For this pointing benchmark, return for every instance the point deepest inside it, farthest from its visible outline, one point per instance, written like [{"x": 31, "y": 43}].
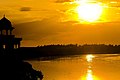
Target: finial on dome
[{"x": 4, "y": 15}]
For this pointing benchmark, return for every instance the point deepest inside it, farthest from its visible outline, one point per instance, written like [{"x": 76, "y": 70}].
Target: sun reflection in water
[
  {"x": 89, "y": 75},
  {"x": 89, "y": 57}
]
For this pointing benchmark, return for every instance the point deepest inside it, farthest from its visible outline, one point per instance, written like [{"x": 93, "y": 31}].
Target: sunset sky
[{"x": 42, "y": 22}]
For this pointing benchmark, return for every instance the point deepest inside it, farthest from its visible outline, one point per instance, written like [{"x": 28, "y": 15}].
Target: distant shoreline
[{"x": 64, "y": 50}]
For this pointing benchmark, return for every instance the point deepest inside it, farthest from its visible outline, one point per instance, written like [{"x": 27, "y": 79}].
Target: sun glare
[
  {"x": 89, "y": 58},
  {"x": 89, "y": 75},
  {"x": 89, "y": 12}
]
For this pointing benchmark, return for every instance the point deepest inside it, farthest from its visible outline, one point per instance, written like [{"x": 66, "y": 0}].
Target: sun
[{"x": 89, "y": 12}]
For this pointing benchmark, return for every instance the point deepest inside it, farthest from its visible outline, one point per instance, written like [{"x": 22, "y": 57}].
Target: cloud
[
  {"x": 39, "y": 29},
  {"x": 62, "y": 1},
  {"x": 51, "y": 31},
  {"x": 25, "y": 9}
]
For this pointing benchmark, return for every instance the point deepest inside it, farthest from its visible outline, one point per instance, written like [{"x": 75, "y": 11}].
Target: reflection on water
[
  {"x": 89, "y": 57},
  {"x": 80, "y": 67},
  {"x": 89, "y": 75},
  {"x": 89, "y": 71}
]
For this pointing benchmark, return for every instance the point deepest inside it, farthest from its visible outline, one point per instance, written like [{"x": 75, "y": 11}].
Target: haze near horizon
[{"x": 42, "y": 22}]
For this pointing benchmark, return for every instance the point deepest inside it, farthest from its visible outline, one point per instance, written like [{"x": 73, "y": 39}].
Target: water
[{"x": 80, "y": 67}]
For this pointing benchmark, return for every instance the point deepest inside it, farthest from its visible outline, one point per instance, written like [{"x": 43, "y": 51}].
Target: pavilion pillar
[
  {"x": 18, "y": 45},
  {"x": 10, "y": 32},
  {"x": 6, "y": 32},
  {"x": 15, "y": 46}
]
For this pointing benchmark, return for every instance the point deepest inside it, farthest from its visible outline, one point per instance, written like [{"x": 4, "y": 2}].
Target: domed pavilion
[{"x": 7, "y": 40}]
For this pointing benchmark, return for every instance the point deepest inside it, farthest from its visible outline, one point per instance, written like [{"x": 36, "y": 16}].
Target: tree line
[{"x": 70, "y": 49}]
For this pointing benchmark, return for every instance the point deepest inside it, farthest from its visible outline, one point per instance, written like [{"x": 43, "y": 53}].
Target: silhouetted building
[{"x": 7, "y": 40}]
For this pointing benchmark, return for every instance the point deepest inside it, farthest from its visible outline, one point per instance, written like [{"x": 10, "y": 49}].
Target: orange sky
[{"x": 41, "y": 22}]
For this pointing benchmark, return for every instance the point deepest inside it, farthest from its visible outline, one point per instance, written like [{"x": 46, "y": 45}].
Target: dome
[{"x": 5, "y": 24}]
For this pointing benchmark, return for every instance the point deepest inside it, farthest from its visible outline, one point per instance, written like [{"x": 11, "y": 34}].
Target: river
[{"x": 80, "y": 67}]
